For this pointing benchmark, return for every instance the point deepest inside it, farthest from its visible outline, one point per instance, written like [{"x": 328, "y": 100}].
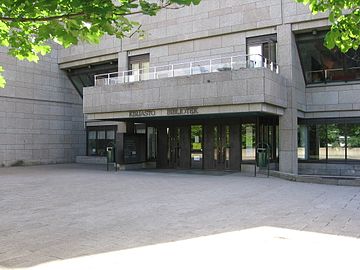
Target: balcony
[
  {"x": 187, "y": 69},
  {"x": 238, "y": 84}
]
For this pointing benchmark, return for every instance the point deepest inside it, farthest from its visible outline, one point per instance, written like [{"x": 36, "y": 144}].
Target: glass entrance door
[
  {"x": 173, "y": 147},
  {"x": 221, "y": 147},
  {"x": 196, "y": 147}
]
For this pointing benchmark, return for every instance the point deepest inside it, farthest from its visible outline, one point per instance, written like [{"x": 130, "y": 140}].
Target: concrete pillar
[
  {"x": 288, "y": 59},
  {"x": 123, "y": 64}
]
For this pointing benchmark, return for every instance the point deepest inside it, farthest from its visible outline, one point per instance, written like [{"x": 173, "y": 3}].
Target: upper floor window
[
  {"x": 139, "y": 66},
  {"x": 261, "y": 50},
  {"x": 321, "y": 65}
]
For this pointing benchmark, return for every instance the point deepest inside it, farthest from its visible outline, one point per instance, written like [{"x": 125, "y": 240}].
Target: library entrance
[{"x": 217, "y": 144}]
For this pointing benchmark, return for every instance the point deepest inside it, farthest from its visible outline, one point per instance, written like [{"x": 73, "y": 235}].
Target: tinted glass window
[
  {"x": 322, "y": 65},
  {"x": 332, "y": 141}
]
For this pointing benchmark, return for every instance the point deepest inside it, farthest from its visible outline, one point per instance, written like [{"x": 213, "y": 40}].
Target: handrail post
[
  {"x": 123, "y": 73},
  {"x": 95, "y": 80},
  {"x": 108, "y": 79},
  {"x": 172, "y": 71},
  {"x": 231, "y": 63},
  {"x": 190, "y": 68},
  {"x": 272, "y": 66}
]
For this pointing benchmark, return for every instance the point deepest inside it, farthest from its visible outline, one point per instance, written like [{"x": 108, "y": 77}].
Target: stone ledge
[
  {"x": 90, "y": 160},
  {"x": 318, "y": 179}
]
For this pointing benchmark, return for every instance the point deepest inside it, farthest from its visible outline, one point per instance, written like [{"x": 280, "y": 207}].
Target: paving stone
[{"x": 59, "y": 212}]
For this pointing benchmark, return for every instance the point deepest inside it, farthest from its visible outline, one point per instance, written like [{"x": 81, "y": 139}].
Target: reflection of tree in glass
[
  {"x": 196, "y": 137},
  {"x": 336, "y": 135},
  {"x": 353, "y": 136}
]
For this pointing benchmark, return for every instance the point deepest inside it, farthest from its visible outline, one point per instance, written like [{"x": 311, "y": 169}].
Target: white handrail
[{"x": 187, "y": 68}]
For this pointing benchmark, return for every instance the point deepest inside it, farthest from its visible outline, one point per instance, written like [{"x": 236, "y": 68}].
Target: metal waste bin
[
  {"x": 110, "y": 157},
  {"x": 110, "y": 154},
  {"x": 262, "y": 157}
]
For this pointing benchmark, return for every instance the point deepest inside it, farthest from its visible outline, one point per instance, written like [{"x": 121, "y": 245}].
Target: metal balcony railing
[
  {"x": 187, "y": 69},
  {"x": 333, "y": 75}
]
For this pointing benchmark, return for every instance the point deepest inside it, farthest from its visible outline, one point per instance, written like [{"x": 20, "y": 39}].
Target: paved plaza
[{"x": 81, "y": 216}]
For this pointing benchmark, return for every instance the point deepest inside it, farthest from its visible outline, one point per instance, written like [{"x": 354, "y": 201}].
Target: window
[
  {"x": 329, "y": 141},
  {"x": 322, "y": 65},
  {"x": 336, "y": 141},
  {"x": 98, "y": 139},
  {"x": 261, "y": 48},
  {"x": 139, "y": 67},
  {"x": 353, "y": 141},
  {"x": 248, "y": 141}
]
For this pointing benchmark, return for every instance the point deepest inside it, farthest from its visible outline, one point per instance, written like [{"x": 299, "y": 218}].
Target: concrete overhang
[{"x": 227, "y": 92}]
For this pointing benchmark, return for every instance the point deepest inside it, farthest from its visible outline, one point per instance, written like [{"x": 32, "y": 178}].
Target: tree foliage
[
  {"x": 27, "y": 26},
  {"x": 344, "y": 16}
]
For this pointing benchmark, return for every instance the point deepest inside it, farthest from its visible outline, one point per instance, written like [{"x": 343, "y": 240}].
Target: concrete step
[{"x": 90, "y": 160}]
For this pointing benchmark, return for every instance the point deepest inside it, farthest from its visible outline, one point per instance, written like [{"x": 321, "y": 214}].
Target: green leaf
[
  {"x": 31, "y": 24},
  {"x": 2, "y": 79}
]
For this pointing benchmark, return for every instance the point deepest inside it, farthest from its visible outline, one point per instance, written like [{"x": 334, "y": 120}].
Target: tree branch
[
  {"x": 43, "y": 19},
  {"x": 75, "y": 15}
]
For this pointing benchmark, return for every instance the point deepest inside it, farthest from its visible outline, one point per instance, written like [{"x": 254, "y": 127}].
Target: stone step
[{"x": 90, "y": 160}]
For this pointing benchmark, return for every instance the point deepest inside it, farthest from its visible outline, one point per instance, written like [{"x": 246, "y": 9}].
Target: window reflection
[
  {"x": 323, "y": 65},
  {"x": 353, "y": 141},
  {"x": 336, "y": 141},
  {"x": 312, "y": 142},
  {"x": 329, "y": 141},
  {"x": 248, "y": 141}
]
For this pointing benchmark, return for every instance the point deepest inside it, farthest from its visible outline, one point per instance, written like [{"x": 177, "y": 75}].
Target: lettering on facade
[
  {"x": 173, "y": 111},
  {"x": 142, "y": 113},
  {"x": 182, "y": 111}
]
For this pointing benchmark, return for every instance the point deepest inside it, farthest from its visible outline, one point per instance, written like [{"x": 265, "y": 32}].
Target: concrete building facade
[
  {"x": 209, "y": 84},
  {"x": 41, "y": 119}
]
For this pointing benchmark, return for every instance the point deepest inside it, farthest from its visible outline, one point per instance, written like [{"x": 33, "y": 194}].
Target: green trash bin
[
  {"x": 262, "y": 157},
  {"x": 110, "y": 154}
]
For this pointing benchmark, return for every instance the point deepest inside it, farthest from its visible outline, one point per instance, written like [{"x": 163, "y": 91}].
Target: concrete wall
[
  {"x": 245, "y": 86},
  {"x": 339, "y": 169},
  {"x": 220, "y": 28},
  {"x": 212, "y": 18},
  {"x": 333, "y": 100},
  {"x": 41, "y": 118}
]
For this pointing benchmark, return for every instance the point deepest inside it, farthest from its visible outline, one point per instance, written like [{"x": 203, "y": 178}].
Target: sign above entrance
[
  {"x": 142, "y": 113},
  {"x": 181, "y": 111},
  {"x": 172, "y": 111}
]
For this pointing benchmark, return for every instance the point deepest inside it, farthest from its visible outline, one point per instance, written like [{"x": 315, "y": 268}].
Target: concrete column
[
  {"x": 123, "y": 61},
  {"x": 288, "y": 60}
]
